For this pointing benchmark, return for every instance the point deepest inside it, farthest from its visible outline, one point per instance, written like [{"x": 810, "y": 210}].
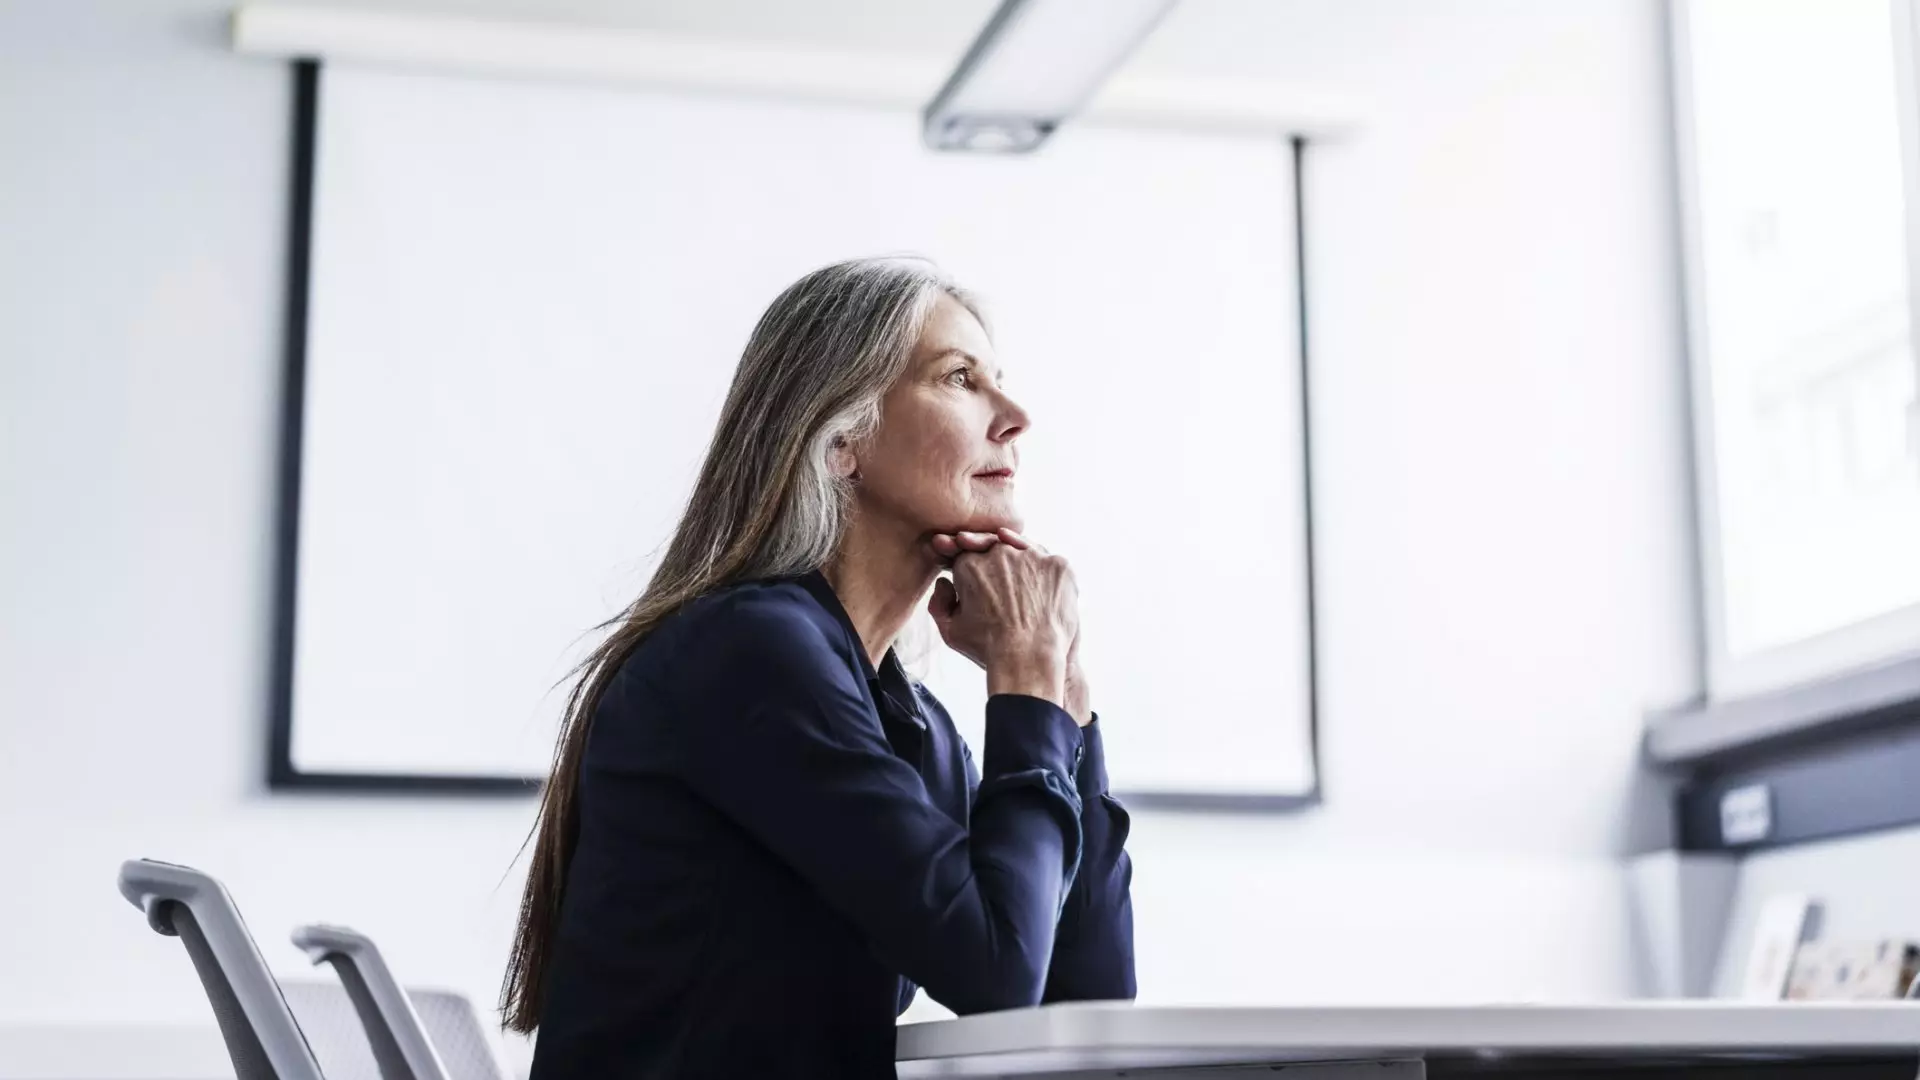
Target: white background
[{"x": 527, "y": 304}]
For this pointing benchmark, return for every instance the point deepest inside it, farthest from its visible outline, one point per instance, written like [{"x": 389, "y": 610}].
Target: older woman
[{"x": 760, "y": 833}]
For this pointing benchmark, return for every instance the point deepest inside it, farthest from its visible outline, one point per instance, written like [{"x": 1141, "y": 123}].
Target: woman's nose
[{"x": 1010, "y": 421}]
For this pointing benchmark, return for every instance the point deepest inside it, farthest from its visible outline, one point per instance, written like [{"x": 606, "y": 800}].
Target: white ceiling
[
  {"x": 912, "y": 26},
  {"x": 1319, "y": 42}
]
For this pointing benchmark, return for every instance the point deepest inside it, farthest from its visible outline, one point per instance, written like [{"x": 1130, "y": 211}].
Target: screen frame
[{"x": 283, "y": 773}]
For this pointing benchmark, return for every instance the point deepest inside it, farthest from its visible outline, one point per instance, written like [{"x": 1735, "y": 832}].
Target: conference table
[{"x": 1643, "y": 1040}]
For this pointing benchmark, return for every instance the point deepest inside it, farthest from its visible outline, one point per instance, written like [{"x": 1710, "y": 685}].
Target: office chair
[
  {"x": 394, "y": 1029},
  {"x": 263, "y": 1039},
  {"x": 335, "y": 1031}
]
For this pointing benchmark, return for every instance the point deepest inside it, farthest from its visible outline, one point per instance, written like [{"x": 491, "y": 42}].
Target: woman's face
[{"x": 944, "y": 457}]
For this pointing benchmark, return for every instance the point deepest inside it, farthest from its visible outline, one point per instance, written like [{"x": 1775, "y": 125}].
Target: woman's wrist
[
  {"x": 1035, "y": 673},
  {"x": 1078, "y": 703}
]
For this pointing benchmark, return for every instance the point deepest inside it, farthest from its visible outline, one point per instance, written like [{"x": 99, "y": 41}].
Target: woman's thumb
[{"x": 942, "y": 603}]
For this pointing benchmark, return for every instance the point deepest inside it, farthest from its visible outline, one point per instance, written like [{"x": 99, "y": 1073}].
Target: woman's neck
[{"x": 880, "y": 574}]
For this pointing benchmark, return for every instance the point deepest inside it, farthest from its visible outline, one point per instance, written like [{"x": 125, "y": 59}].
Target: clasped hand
[{"x": 1013, "y": 608}]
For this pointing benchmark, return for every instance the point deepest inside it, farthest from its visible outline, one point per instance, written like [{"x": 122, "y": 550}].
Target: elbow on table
[{"x": 1016, "y": 983}]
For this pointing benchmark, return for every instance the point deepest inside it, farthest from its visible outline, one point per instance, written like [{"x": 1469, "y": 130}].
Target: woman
[{"x": 759, "y": 833}]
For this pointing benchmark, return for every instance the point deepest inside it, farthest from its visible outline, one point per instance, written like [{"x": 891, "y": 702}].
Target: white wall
[
  {"x": 1505, "y": 568},
  {"x": 142, "y": 201},
  {"x": 1504, "y": 574}
]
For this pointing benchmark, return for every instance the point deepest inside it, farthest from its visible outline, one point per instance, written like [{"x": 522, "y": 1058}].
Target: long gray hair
[{"x": 767, "y": 504}]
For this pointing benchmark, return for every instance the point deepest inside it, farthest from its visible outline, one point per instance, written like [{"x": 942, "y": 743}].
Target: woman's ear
[{"x": 841, "y": 460}]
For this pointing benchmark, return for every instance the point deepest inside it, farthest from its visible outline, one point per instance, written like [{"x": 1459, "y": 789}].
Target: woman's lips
[{"x": 995, "y": 475}]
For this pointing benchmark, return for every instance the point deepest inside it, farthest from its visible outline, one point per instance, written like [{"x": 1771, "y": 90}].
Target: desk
[{"x": 1643, "y": 1040}]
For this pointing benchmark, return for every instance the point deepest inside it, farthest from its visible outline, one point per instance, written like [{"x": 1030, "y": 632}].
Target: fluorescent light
[
  {"x": 1036, "y": 64},
  {"x": 465, "y": 45}
]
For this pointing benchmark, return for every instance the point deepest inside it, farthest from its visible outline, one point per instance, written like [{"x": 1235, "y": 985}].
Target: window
[{"x": 1797, "y": 154}]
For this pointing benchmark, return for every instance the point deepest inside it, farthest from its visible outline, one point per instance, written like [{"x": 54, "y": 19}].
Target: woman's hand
[
  {"x": 972, "y": 640},
  {"x": 1012, "y": 608}
]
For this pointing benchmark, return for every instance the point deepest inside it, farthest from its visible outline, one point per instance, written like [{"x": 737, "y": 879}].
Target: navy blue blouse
[{"x": 777, "y": 842}]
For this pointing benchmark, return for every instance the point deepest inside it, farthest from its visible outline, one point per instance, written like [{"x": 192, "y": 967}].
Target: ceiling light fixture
[{"x": 1035, "y": 65}]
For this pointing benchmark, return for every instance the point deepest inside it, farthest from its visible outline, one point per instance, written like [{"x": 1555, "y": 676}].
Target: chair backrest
[
  {"x": 334, "y": 1030},
  {"x": 458, "y": 1034},
  {"x": 332, "y": 1026},
  {"x": 393, "y": 1030},
  {"x": 263, "y": 1039}
]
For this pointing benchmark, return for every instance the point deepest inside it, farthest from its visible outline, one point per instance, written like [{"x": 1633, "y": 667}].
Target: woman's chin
[
  {"x": 983, "y": 516},
  {"x": 992, "y": 522},
  {"x": 976, "y": 523}
]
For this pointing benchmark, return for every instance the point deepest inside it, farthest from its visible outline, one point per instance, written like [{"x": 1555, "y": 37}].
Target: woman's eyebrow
[{"x": 971, "y": 359}]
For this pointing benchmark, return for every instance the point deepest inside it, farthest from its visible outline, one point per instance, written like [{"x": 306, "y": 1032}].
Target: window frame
[
  {"x": 1860, "y": 645},
  {"x": 1817, "y": 723}
]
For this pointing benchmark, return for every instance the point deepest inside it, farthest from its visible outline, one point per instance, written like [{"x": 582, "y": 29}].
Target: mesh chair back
[
  {"x": 463, "y": 1041},
  {"x": 333, "y": 1026}
]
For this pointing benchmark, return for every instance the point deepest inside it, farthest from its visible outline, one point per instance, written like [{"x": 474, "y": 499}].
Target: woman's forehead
[{"x": 953, "y": 329}]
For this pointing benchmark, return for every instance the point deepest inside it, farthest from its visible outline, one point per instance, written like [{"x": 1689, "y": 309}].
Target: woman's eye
[{"x": 960, "y": 377}]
